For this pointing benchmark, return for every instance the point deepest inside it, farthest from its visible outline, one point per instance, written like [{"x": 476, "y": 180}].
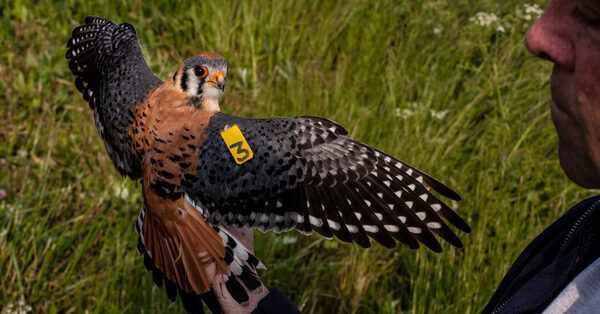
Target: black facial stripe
[
  {"x": 200, "y": 82},
  {"x": 175, "y": 75},
  {"x": 184, "y": 78}
]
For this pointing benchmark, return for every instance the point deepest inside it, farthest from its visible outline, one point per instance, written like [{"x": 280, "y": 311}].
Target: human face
[{"x": 568, "y": 35}]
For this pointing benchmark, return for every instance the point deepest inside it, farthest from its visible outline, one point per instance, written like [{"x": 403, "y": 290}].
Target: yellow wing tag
[{"x": 235, "y": 141}]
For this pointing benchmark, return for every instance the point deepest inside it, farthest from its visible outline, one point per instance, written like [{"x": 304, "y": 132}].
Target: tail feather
[{"x": 179, "y": 276}]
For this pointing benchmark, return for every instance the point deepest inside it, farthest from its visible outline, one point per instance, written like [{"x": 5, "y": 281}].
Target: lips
[
  {"x": 559, "y": 92},
  {"x": 557, "y": 104},
  {"x": 556, "y": 109}
]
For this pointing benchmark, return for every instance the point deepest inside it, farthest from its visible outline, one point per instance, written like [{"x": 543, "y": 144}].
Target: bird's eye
[{"x": 200, "y": 71}]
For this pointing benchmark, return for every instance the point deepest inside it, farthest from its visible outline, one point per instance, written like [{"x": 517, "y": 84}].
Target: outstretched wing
[
  {"x": 306, "y": 174},
  {"x": 114, "y": 78}
]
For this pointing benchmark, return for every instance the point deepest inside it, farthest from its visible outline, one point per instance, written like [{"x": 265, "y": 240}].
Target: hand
[{"x": 228, "y": 304}]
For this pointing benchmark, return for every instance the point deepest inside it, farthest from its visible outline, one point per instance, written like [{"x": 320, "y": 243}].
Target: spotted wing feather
[
  {"x": 112, "y": 75},
  {"x": 307, "y": 174}
]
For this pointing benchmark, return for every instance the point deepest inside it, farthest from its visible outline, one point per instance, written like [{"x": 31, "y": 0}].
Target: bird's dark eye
[{"x": 200, "y": 71}]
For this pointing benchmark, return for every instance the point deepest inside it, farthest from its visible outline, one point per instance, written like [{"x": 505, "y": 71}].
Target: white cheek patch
[{"x": 193, "y": 83}]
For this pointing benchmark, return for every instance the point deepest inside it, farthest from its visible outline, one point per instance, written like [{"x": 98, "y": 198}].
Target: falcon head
[{"x": 203, "y": 77}]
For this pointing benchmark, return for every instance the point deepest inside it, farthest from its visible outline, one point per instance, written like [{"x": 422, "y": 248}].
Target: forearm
[{"x": 275, "y": 302}]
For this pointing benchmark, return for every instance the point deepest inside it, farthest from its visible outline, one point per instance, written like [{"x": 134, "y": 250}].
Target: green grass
[{"x": 462, "y": 101}]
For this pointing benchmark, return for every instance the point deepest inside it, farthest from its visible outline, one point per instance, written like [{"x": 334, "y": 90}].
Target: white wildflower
[
  {"x": 438, "y": 114},
  {"x": 532, "y": 9},
  {"x": 438, "y": 30},
  {"x": 286, "y": 240},
  {"x": 15, "y": 207},
  {"x": 21, "y": 307},
  {"x": 121, "y": 191},
  {"x": 500, "y": 29},
  {"x": 454, "y": 204},
  {"x": 289, "y": 239},
  {"x": 404, "y": 113},
  {"x": 484, "y": 18},
  {"x": 22, "y": 153}
]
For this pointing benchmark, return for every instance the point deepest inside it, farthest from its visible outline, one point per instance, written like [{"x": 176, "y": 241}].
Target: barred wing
[
  {"x": 306, "y": 174},
  {"x": 113, "y": 77}
]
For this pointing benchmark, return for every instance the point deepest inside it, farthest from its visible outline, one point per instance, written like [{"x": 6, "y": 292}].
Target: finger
[
  {"x": 230, "y": 305},
  {"x": 246, "y": 236}
]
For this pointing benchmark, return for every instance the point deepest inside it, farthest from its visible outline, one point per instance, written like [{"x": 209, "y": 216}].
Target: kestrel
[{"x": 202, "y": 170}]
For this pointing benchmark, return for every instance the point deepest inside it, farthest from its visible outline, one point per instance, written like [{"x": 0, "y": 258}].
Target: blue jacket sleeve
[{"x": 275, "y": 302}]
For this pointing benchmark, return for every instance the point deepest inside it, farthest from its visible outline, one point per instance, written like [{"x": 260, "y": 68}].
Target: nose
[{"x": 549, "y": 38}]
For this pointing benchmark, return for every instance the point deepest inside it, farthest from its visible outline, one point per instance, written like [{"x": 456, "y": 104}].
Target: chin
[
  {"x": 575, "y": 155},
  {"x": 579, "y": 169}
]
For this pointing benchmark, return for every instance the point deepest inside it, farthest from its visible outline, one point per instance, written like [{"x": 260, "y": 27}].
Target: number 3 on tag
[{"x": 237, "y": 144}]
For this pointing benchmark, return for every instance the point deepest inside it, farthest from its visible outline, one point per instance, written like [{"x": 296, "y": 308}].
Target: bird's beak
[{"x": 218, "y": 80}]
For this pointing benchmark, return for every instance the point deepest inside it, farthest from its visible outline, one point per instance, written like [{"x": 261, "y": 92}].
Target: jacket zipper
[
  {"x": 576, "y": 225},
  {"x": 562, "y": 247},
  {"x": 502, "y": 305}
]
